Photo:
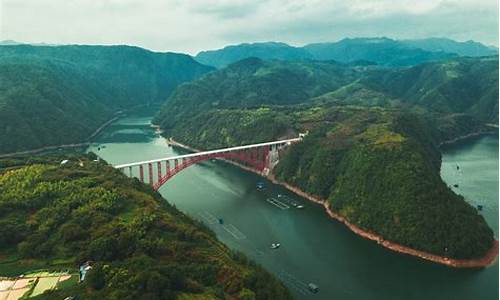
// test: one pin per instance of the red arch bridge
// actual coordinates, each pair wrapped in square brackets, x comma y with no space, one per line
[261,157]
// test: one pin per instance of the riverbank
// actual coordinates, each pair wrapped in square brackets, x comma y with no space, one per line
[488,259]
[470,136]
[65,146]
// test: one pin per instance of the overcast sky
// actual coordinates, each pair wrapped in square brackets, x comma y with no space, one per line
[194,25]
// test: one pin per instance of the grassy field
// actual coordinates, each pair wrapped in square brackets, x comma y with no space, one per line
[34,284]
[44,283]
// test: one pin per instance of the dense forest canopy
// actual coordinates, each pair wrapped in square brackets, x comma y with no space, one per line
[372,148]
[57,217]
[60,95]
[456,86]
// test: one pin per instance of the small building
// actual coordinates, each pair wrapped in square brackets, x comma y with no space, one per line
[84,269]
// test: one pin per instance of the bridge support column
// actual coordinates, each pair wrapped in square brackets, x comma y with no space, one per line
[130,171]
[158,165]
[176,164]
[167,165]
[248,153]
[141,173]
[150,166]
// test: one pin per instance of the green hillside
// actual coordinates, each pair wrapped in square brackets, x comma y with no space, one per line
[253,82]
[459,86]
[463,85]
[372,150]
[60,95]
[56,217]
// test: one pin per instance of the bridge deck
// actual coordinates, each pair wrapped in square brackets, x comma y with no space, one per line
[207,152]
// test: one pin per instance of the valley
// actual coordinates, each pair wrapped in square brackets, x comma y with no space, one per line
[314,247]
[383,126]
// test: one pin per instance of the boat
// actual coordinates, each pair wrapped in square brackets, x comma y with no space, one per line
[260,185]
[221,221]
[300,206]
[313,288]
[479,207]
[275,245]
[455,185]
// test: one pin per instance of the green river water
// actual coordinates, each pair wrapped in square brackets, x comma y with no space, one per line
[314,247]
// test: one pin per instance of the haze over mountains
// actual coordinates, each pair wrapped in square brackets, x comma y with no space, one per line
[382,51]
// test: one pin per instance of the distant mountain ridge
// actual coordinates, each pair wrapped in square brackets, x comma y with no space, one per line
[268,50]
[383,51]
[468,48]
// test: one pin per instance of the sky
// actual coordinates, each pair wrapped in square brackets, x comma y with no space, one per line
[190,26]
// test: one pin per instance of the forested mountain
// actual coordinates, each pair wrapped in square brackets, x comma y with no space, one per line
[382,51]
[60,95]
[270,50]
[468,48]
[373,135]
[56,217]
[253,82]
[461,85]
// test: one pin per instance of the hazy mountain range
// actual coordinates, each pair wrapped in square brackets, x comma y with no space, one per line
[383,51]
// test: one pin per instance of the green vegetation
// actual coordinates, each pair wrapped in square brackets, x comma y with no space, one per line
[458,86]
[269,50]
[464,85]
[372,148]
[61,95]
[381,176]
[56,217]
[382,51]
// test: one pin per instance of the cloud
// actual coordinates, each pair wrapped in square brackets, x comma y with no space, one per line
[194,25]
[226,9]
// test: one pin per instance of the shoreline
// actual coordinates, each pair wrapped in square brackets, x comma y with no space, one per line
[467,136]
[65,146]
[116,116]
[488,259]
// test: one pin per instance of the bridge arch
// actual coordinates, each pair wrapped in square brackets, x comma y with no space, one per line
[257,156]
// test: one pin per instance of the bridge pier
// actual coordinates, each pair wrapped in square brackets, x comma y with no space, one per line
[150,167]
[158,166]
[141,173]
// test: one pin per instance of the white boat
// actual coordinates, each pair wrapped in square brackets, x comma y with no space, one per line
[300,206]
[275,245]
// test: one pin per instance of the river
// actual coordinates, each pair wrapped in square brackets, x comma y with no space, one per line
[315,248]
